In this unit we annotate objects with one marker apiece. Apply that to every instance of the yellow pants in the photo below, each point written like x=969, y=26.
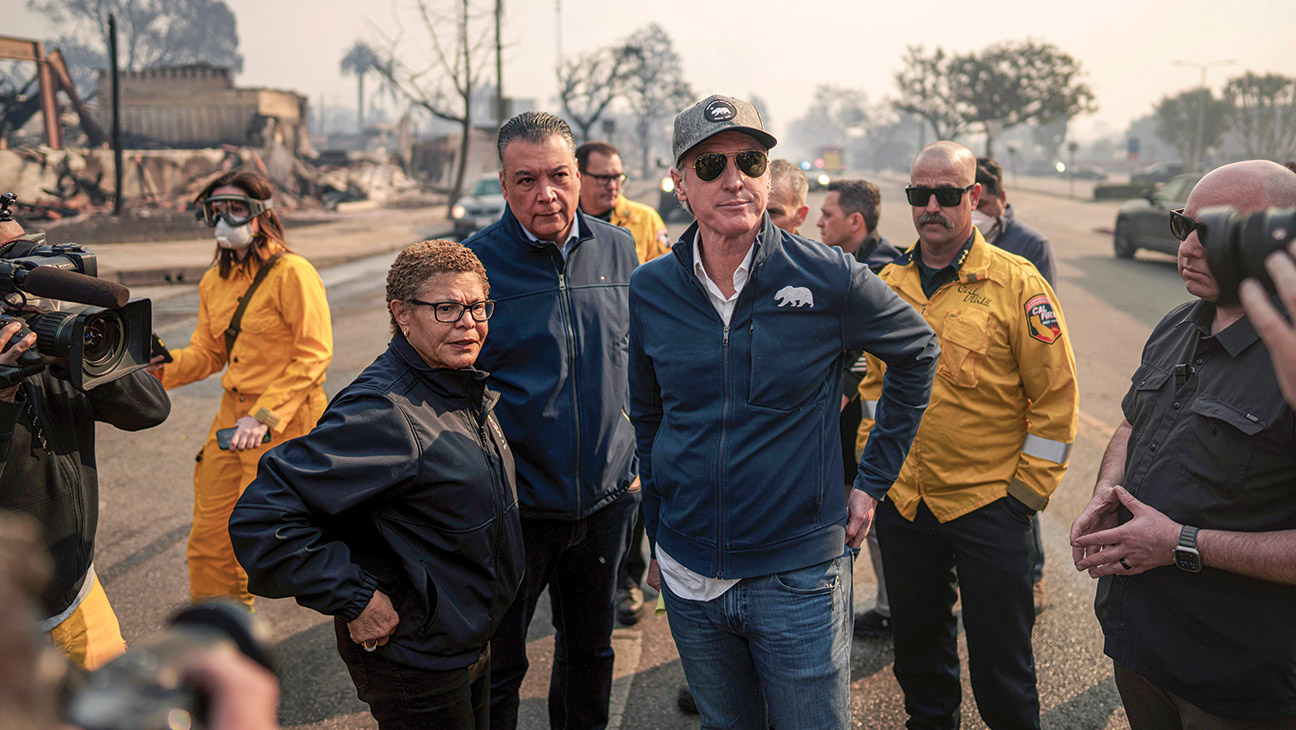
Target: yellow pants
x=219, y=480
x=90, y=636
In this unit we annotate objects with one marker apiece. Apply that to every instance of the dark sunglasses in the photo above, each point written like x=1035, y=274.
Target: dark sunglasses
x=709, y=166
x=945, y=197
x=451, y=312
x=236, y=210
x=1181, y=226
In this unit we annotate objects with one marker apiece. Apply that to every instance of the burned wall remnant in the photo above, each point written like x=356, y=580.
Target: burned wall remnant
x=197, y=105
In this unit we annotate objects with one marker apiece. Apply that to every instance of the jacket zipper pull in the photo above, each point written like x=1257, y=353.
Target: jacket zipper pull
x=562, y=282
x=725, y=342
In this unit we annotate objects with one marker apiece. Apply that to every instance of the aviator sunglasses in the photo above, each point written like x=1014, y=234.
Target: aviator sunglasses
x=1181, y=226
x=945, y=197
x=709, y=166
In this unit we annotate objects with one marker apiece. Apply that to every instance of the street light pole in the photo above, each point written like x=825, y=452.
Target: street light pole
x=1199, y=142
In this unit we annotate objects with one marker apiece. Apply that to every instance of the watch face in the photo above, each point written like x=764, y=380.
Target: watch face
x=1187, y=559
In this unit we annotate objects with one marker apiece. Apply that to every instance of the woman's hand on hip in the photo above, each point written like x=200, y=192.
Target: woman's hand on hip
x=376, y=622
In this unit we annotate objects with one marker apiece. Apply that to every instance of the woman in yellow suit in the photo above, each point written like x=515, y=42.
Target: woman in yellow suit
x=274, y=380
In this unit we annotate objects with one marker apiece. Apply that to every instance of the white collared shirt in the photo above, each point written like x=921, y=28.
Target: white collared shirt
x=564, y=249
x=683, y=582
x=723, y=306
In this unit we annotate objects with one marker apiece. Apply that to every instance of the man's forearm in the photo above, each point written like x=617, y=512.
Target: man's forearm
x=1269, y=556
x=1111, y=471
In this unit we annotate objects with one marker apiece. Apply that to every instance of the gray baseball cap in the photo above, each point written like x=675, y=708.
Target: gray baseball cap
x=713, y=115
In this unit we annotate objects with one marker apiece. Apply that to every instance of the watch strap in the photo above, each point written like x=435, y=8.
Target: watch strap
x=1188, y=537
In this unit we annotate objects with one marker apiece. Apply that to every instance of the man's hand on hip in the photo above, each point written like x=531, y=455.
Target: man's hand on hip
x=859, y=514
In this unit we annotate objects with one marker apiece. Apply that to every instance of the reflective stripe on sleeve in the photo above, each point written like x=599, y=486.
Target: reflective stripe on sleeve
x=869, y=408
x=1055, y=451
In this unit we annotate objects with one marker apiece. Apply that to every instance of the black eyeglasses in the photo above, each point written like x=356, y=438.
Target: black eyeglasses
x=606, y=180
x=451, y=312
x=945, y=197
x=1181, y=226
x=709, y=166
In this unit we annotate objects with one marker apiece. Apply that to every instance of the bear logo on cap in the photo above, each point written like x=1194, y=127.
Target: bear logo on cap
x=719, y=111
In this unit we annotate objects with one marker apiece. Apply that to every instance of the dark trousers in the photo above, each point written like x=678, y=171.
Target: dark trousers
x=1036, y=551
x=635, y=563
x=987, y=548
x=577, y=561
x=408, y=698
x=1151, y=708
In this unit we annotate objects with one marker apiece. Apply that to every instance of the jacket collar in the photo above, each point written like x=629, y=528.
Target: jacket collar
x=514, y=228
x=1234, y=339
x=468, y=383
x=972, y=263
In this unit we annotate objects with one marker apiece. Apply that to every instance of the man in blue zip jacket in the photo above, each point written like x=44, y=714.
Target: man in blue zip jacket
x=557, y=356
x=737, y=342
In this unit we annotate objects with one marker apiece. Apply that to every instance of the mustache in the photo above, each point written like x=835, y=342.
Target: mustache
x=926, y=218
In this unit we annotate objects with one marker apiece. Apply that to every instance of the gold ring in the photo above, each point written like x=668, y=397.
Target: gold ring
x=370, y=647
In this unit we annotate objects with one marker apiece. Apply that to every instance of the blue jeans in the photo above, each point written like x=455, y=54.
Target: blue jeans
x=577, y=560
x=778, y=641
x=988, y=549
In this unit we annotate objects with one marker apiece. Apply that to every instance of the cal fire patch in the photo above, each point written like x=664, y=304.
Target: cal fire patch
x=1042, y=319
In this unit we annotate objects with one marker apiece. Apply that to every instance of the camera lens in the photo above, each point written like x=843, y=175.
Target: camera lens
x=1238, y=243
x=102, y=342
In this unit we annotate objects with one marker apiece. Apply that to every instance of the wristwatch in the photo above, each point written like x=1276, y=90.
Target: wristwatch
x=1186, y=556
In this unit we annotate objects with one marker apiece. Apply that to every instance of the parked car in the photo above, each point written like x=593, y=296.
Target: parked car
x=1145, y=222
x=1086, y=171
x=1157, y=172
x=481, y=207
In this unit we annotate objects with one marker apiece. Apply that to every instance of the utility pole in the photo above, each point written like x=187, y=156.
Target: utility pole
x=499, y=64
x=1199, y=142
x=558, y=27
x=116, y=114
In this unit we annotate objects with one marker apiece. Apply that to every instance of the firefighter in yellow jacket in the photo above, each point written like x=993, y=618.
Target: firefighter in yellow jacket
x=274, y=380
x=992, y=447
x=600, y=196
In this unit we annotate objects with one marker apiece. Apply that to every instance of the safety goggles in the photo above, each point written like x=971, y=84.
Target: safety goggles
x=451, y=312
x=235, y=210
x=1181, y=226
x=945, y=197
x=751, y=163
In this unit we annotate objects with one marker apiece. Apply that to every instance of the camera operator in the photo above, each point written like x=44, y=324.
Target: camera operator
x=1275, y=329
x=47, y=431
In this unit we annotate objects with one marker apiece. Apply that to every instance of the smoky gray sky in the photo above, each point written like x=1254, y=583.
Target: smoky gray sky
x=781, y=50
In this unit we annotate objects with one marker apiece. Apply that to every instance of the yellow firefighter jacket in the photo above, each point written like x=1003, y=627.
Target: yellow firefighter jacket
x=285, y=346
x=648, y=229
x=1004, y=404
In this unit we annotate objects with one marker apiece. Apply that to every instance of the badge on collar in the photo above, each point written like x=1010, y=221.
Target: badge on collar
x=1042, y=319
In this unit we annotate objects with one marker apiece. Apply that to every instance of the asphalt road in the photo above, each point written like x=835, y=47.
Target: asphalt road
x=1110, y=306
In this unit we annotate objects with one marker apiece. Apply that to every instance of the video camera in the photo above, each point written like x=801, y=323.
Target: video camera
x=143, y=688
x=106, y=339
x=1238, y=243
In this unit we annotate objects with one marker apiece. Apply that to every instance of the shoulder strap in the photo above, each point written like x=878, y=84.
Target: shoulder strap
x=232, y=332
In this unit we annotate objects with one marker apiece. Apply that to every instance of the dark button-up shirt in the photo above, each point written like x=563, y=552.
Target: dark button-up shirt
x=1213, y=446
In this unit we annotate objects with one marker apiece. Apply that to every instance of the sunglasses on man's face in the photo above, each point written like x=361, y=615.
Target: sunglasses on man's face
x=709, y=166
x=1181, y=226
x=945, y=197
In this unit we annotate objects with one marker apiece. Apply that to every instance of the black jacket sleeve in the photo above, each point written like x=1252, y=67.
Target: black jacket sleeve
x=133, y=403
x=363, y=447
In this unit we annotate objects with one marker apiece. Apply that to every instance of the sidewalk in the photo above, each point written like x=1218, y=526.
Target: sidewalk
x=160, y=265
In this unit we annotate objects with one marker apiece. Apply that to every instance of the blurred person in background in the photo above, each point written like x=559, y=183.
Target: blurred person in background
x=787, y=197
x=397, y=515
x=47, y=471
x=273, y=367
x=602, y=178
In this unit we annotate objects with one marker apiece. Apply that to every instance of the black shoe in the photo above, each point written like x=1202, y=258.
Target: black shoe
x=685, y=700
x=872, y=625
x=630, y=605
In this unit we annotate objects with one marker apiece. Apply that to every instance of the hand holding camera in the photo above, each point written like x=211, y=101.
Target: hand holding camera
x=1278, y=332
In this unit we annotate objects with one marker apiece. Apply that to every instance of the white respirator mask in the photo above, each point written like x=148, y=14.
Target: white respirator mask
x=980, y=220
x=233, y=237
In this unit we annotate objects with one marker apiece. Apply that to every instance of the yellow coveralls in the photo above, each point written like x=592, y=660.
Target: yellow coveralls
x=648, y=229
x=276, y=375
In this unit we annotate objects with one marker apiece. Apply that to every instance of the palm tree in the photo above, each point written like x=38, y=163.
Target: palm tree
x=359, y=60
